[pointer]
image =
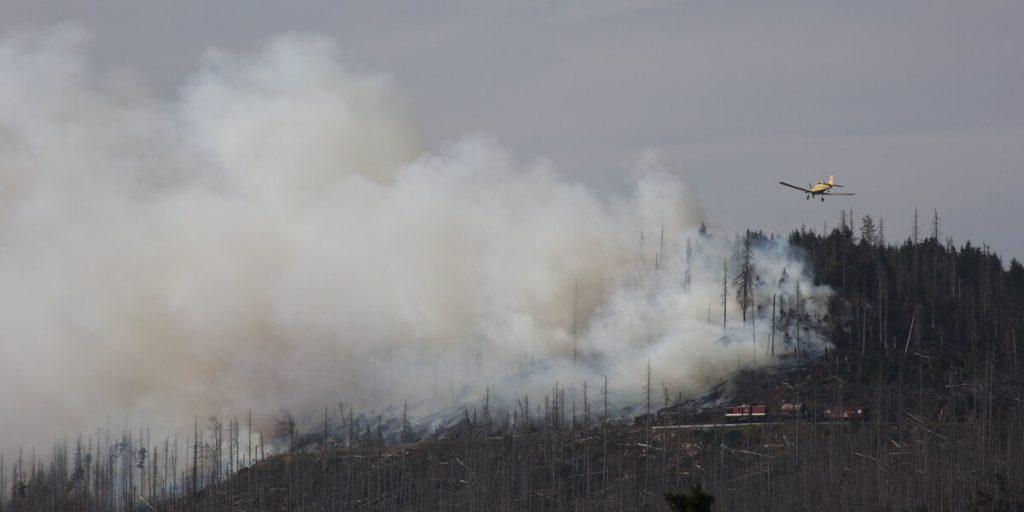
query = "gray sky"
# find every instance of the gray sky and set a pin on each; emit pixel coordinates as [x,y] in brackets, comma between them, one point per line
[909,103]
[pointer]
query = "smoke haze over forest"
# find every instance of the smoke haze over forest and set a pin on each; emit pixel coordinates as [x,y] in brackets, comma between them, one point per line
[277,236]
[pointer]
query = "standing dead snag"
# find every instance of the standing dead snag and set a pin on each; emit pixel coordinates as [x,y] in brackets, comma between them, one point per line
[647,392]
[687,276]
[725,289]
[746,276]
[586,408]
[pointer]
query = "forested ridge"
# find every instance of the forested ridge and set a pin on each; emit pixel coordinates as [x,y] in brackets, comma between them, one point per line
[924,334]
[920,312]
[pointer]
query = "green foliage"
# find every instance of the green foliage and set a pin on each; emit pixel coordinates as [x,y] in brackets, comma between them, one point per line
[694,501]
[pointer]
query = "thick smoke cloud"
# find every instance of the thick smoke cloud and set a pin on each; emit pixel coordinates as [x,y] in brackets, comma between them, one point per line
[277,237]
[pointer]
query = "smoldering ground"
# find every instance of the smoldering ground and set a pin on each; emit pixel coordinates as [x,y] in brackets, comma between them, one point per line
[277,236]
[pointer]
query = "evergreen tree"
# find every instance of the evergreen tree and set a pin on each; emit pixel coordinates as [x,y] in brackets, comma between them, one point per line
[867,231]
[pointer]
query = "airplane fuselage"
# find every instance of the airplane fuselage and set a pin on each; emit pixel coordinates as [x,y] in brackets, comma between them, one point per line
[820,187]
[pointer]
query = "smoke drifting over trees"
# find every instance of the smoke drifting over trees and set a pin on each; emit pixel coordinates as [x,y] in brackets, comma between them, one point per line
[277,236]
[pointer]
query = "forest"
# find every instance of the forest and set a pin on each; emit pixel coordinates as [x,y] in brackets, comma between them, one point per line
[924,336]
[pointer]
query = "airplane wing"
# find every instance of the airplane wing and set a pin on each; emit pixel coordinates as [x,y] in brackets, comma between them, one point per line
[838,194]
[794,186]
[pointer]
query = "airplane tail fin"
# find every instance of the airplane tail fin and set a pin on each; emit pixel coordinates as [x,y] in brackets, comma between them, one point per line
[831,180]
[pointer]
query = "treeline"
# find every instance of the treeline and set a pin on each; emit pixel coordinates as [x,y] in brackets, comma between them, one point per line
[924,315]
[126,470]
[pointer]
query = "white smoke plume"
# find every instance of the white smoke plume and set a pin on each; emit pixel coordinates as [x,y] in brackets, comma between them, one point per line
[276,236]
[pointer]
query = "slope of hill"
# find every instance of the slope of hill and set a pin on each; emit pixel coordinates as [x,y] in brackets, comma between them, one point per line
[923,335]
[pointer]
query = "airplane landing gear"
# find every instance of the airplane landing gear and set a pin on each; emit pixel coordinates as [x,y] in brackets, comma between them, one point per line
[808,197]
[823,199]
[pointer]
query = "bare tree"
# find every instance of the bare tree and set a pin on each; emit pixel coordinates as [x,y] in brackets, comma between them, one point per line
[745,277]
[604,395]
[914,229]
[647,388]
[725,290]
[687,273]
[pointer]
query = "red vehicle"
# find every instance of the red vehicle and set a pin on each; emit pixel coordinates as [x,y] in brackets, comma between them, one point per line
[746,413]
[790,409]
[848,413]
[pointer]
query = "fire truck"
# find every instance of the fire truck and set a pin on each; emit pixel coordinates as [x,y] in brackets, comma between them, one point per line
[849,413]
[746,413]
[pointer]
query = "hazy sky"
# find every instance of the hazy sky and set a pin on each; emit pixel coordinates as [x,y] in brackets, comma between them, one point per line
[909,103]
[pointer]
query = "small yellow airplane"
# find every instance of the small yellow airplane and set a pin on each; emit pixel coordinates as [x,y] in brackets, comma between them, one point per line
[821,188]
